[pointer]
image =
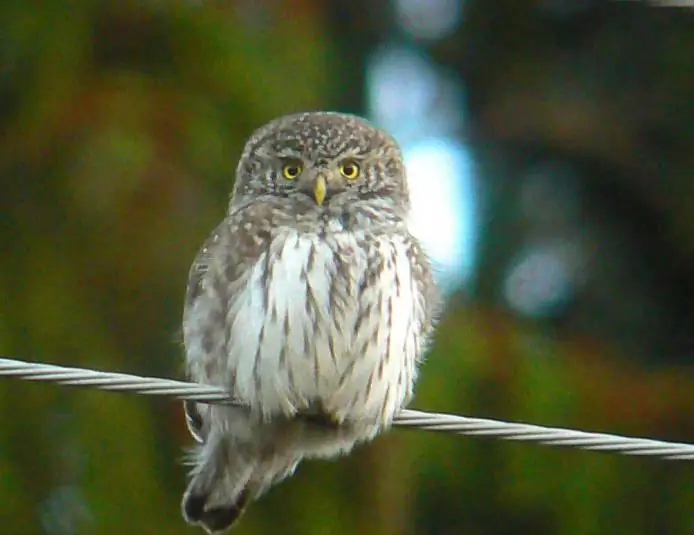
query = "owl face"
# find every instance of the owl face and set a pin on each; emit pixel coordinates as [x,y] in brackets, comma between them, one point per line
[321,161]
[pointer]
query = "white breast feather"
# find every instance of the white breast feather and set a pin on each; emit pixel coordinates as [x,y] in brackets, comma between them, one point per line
[277,373]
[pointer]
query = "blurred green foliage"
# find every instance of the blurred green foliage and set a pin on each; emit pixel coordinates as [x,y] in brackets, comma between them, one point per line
[121,126]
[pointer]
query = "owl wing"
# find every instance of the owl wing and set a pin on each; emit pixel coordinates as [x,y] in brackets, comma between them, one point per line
[229,252]
[221,265]
[199,268]
[428,290]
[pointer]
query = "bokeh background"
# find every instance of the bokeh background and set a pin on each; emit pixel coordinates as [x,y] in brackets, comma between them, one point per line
[550,148]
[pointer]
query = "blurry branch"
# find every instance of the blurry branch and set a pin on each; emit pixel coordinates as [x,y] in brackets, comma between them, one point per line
[447,423]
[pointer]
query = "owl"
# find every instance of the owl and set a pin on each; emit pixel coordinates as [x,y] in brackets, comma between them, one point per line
[311,303]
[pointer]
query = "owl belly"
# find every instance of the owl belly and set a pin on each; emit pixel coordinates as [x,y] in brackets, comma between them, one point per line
[330,324]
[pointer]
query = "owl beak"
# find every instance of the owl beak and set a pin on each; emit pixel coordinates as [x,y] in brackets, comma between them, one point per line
[319,189]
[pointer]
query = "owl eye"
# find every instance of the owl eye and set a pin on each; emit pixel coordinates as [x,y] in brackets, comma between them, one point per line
[291,170]
[349,170]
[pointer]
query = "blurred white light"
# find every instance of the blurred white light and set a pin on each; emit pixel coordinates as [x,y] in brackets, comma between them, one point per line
[428,19]
[542,279]
[421,106]
[410,96]
[443,213]
[401,86]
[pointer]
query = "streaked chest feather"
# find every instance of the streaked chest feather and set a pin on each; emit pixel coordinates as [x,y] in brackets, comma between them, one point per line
[333,323]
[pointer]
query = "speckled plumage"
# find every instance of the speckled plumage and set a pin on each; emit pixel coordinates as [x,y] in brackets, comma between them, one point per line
[314,313]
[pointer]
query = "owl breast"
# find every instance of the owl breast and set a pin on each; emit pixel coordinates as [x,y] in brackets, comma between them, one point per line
[331,323]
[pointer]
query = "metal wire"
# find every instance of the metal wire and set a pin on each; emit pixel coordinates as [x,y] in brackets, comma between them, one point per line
[446,423]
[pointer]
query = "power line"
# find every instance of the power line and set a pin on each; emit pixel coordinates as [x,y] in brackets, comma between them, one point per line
[446,423]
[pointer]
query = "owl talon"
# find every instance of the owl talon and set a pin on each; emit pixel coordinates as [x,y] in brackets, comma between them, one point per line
[321,419]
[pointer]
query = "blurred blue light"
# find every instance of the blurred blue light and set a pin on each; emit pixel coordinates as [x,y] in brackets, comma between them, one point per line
[422,108]
[440,177]
[409,96]
[542,279]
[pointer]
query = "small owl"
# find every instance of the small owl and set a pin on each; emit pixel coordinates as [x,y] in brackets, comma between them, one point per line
[311,303]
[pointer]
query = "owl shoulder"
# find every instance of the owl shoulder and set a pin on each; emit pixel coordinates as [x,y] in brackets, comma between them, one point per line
[232,248]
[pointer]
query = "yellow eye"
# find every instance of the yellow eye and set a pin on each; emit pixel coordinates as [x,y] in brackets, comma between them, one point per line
[349,170]
[291,170]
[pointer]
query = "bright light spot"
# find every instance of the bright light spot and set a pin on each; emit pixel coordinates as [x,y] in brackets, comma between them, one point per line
[443,214]
[421,106]
[401,88]
[410,97]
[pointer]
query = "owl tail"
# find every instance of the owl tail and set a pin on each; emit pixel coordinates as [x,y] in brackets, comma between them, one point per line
[219,490]
[216,519]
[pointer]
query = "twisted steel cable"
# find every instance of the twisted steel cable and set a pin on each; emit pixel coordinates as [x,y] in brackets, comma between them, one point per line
[446,423]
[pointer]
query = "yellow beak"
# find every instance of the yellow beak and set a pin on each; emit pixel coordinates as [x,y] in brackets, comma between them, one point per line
[319,189]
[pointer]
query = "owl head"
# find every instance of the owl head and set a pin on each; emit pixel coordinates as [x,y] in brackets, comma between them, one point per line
[322,161]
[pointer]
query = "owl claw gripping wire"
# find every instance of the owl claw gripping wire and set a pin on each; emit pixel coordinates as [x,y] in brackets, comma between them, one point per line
[311,293]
